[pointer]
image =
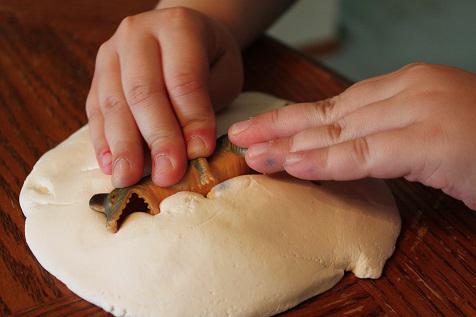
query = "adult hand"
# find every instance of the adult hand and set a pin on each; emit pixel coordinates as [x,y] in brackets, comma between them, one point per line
[418,122]
[156,80]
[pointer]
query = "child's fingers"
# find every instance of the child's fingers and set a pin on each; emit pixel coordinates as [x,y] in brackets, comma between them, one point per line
[144,88]
[393,113]
[268,157]
[383,115]
[289,120]
[282,122]
[120,129]
[185,64]
[96,130]
[389,154]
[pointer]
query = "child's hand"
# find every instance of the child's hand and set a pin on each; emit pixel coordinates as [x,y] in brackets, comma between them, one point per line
[156,80]
[418,122]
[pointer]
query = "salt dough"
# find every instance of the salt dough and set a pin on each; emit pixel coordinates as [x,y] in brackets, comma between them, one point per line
[256,246]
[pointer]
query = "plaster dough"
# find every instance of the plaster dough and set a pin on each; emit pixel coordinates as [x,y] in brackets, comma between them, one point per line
[256,246]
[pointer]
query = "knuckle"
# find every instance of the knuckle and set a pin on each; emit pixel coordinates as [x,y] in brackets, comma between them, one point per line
[159,138]
[416,65]
[361,83]
[139,93]
[178,15]
[104,48]
[111,103]
[322,111]
[185,84]
[275,117]
[412,75]
[127,24]
[361,151]
[418,69]
[184,19]
[198,121]
[334,132]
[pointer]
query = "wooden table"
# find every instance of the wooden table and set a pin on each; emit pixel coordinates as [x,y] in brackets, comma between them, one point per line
[47,52]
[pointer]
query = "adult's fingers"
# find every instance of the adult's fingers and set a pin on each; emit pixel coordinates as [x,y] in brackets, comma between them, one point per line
[185,64]
[383,155]
[120,130]
[96,130]
[289,120]
[144,88]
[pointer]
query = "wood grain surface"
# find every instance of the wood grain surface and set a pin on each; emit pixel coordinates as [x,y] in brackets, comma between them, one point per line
[47,51]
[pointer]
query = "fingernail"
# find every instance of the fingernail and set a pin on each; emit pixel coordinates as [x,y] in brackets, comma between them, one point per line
[162,164]
[240,127]
[106,159]
[196,147]
[293,158]
[120,169]
[257,149]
